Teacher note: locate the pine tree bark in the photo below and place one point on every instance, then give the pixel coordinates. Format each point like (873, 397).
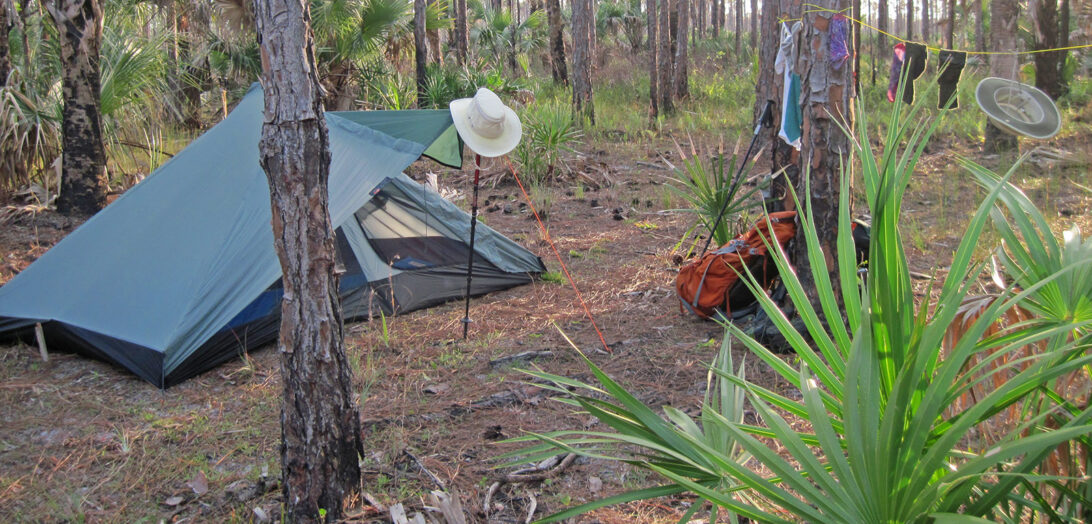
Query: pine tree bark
(682, 72)
(583, 23)
(979, 27)
(754, 25)
(5, 49)
(557, 42)
(882, 24)
(420, 50)
(83, 162)
(1003, 16)
(436, 53)
(926, 19)
(652, 26)
(320, 425)
(1048, 66)
(909, 19)
(827, 92)
(739, 27)
(665, 60)
(460, 32)
(949, 35)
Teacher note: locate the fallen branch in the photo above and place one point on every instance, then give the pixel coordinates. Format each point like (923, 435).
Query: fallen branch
(542, 471)
(521, 357)
(436, 480)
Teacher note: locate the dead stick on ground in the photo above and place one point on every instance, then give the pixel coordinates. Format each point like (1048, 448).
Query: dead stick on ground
(489, 498)
(434, 478)
(533, 507)
(542, 475)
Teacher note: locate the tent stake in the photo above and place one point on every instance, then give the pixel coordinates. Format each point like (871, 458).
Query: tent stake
(40, 335)
(470, 257)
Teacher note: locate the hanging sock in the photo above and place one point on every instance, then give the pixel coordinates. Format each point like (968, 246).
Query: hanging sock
(839, 47)
(915, 66)
(896, 71)
(951, 68)
(791, 115)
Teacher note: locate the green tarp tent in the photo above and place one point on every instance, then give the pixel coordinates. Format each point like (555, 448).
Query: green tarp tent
(179, 274)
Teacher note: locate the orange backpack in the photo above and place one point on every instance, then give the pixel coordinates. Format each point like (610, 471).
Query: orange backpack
(712, 282)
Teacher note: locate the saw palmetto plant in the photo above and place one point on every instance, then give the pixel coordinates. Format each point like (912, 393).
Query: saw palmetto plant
(877, 383)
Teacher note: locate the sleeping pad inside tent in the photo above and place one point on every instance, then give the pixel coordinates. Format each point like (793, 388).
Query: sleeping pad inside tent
(179, 274)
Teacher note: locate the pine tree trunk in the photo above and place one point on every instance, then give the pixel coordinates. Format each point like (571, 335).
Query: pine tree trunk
(739, 28)
(1003, 17)
(436, 52)
(926, 19)
(557, 42)
(682, 73)
(83, 163)
(582, 22)
(461, 37)
(882, 24)
(909, 19)
(320, 425)
(949, 37)
(420, 49)
(652, 26)
(754, 25)
(665, 60)
(825, 147)
(1048, 71)
(5, 49)
(979, 27)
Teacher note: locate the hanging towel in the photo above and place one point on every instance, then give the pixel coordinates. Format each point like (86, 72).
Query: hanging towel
(791, 116)
(914, 66)
(896, 71)
(951, 68)
(839, 46)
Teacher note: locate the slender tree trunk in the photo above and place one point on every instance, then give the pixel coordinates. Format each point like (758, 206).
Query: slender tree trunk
(1048, 66)
(557, 42)
(652, 26)
(949, 37)
(83, 163)
(5, 49)
(436, 52)
(926, 19)
(765, 87)
(1003, 17)
(420, 49)
(462, 46)
(909, 19)
(582, 22)
(739, 28)
(754, 25)
(882, 25)
(855, 46)
(979, 27)
(320, 425)
(825, 148)
(664, 61)
(682, 73)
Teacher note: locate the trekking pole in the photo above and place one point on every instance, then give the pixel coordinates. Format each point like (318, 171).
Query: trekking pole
(764, 120)
(470, 257)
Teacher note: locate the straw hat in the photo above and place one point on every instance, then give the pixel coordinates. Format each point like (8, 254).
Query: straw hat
(485, 124)
(1018, 108)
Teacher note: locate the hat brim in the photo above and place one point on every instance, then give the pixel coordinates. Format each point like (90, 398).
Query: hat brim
(487, 147)
(986, 96)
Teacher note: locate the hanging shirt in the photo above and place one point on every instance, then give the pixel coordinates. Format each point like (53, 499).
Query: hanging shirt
(896, 71)
(951, 68)
(791, 116)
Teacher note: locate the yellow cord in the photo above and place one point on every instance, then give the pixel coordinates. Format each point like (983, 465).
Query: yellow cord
(819, 9)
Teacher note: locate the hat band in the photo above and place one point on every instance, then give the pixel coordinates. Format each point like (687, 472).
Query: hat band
(481, 124)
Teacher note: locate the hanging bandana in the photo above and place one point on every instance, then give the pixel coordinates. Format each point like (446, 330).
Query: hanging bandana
(951, 68)
(839, 48)
(896, 71)
(914, 66)
(791, 116)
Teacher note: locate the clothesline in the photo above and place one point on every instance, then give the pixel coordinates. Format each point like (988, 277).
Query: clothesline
(819, 9)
